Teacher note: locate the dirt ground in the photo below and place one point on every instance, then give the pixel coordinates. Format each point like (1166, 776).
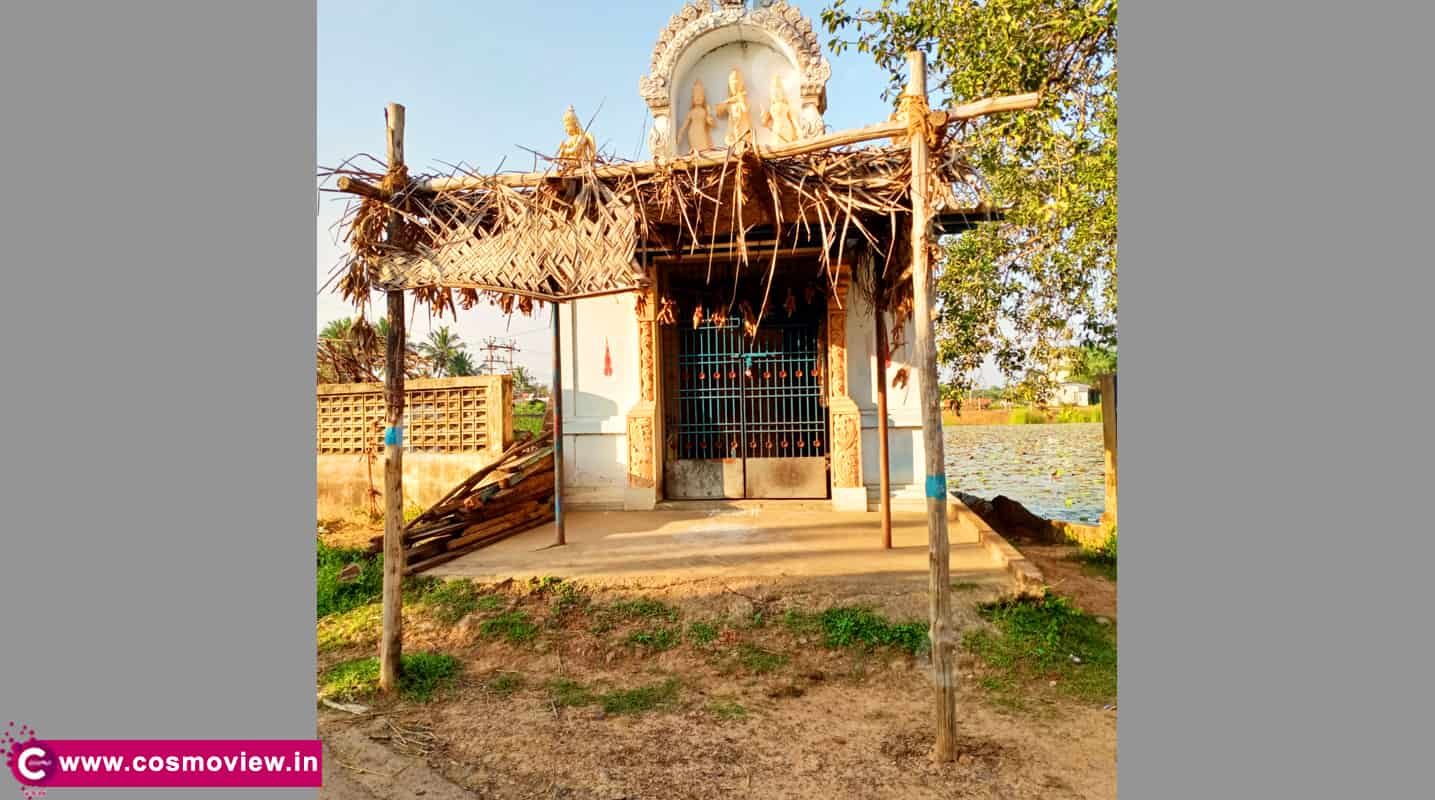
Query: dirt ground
(1067, 576)
(823, 723)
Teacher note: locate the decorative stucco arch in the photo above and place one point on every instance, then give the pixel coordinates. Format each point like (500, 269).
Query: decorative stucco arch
(703, 26)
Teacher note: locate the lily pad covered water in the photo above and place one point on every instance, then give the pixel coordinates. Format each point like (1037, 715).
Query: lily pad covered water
(1056, 471)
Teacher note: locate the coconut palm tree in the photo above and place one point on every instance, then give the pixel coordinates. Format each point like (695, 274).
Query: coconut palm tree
(459, 364)
(440, 348)
(337, 329)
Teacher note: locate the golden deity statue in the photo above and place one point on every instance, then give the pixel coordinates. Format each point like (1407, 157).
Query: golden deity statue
(700, 121)
(736, 109)
(579, 148)
(778, 117)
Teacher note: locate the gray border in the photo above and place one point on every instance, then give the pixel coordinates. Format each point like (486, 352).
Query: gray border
(1274, 184)
(158, 574)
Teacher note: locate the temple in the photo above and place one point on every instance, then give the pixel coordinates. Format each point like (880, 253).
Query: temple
(723, 305)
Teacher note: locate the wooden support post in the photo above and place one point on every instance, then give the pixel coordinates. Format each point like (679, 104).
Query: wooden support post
(884, 464)
(557, 393)
(391, 643)
(944, 662)
(1108, 435)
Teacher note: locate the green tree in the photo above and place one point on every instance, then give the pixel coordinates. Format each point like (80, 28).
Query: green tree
(337, 329)
(522, 381)
(354, 351)
(1022, 290)
(1089, 362)
(440, 348)
(459, 364)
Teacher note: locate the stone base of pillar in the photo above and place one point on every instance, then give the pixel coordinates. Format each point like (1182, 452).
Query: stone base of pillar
(640, 499)
(641, 493)
(849, 498)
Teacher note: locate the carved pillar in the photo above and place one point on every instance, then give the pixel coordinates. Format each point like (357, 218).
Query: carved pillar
(848, 491)
(642, 490)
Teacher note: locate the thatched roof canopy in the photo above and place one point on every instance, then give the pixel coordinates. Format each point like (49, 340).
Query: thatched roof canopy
(592, 231)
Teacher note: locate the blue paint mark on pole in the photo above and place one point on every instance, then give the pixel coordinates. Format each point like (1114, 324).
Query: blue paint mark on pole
(937, 487)
(394, 435)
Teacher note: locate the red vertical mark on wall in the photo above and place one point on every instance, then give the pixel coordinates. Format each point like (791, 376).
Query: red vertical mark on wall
(607, 358)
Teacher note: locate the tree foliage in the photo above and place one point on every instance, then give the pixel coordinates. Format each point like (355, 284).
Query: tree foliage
(1089, 362)
(523, 382)
(440, 348)
(352, 351)
(460, 364)
(1023, 290)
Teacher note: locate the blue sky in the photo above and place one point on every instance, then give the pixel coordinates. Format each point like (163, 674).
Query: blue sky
(478, 80)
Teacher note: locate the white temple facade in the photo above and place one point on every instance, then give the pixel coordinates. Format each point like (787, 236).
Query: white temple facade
(647, 417)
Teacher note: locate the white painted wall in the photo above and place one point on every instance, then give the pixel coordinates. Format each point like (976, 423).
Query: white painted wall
(595, 406)
(1073, 394)
(904, 414)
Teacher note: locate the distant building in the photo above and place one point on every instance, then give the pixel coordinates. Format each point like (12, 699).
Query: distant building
(1075, 393)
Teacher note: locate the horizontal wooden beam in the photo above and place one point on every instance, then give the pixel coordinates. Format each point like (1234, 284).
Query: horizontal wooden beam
(882, 130)
(356, 186)
(991, 105)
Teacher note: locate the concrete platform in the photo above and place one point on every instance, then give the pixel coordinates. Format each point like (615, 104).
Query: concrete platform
(728, 541)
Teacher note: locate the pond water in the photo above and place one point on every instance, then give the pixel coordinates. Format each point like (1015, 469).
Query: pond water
(1056, 471)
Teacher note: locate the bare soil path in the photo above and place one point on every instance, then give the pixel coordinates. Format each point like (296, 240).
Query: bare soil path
(761, 710)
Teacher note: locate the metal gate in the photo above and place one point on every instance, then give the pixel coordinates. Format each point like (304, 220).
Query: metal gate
(751, 421)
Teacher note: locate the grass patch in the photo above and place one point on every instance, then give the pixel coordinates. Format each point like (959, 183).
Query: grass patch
(602, 627)
(1026, 416)
(644, 608)
(336, 597)
(856, 626)
(528, 416)
(1101, 559)
(800, 622)
(657, 639)
(1078, 414)
(724, 708)
(1098, 567)
(564, 692)
(421, 675)
(1036, 640)
(759, 661)
(569, 597)
(859, 627)
(641, 699)
(514, 627)
(504, 684)
(569, 693)
(450, 601)
(353, 627)
(702, 633)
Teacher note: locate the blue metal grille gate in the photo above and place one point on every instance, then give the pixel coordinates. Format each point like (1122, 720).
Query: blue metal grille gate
(754, 399)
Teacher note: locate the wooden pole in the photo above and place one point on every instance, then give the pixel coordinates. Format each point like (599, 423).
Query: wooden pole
(557, 393)
(882, 130)
(1108, 436)
(884, 464)
(391, 643)
(944, 662)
